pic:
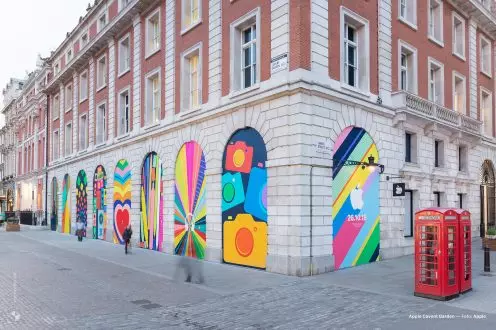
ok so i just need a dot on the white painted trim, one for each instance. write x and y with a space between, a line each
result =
464 39
404 20
433 38
453 85
413 50
156 71
431 60
65 138
119 94
81 100
149 52
489 44
100 14
103 102
184 28
66 110
490 93
255 13
87 132
121 73
53 140
99 88
184 58
344 13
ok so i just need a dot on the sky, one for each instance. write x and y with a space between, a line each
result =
40 28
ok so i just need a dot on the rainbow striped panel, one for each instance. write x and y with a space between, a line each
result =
122 199
355 210
66 205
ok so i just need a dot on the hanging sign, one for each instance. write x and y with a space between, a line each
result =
398 189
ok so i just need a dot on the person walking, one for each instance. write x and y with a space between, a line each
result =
79 230
128 232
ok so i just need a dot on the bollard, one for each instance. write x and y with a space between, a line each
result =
487 260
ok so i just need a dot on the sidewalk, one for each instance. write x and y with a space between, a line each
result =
374 296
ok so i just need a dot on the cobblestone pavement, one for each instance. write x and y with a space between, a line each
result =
51 281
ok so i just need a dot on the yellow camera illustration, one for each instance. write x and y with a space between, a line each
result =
245 241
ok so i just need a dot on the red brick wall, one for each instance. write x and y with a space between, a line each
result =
300 35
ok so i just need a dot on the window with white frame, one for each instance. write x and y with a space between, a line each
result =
83 132
191 79
56 68
485 56
245 51
355 50
68 56
153 33
68 139
436 82
459 91
435 19
124 116
83 86
55 145
407 68
152 113
84 40
123 4
101 72
458 32
102 21
56 107
408 12
486 100
101 123
124 55
68 97
191 12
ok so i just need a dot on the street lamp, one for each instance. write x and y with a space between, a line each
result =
371 165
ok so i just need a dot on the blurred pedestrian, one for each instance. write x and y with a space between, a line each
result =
128 232
79 230
192 268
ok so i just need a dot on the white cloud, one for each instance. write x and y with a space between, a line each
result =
29 27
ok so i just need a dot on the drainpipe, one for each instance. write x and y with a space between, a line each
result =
311 212
46 159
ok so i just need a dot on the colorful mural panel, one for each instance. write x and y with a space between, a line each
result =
190 215
66 204
355 211
244 200
122 199
55 205
151 206
82 199
99 203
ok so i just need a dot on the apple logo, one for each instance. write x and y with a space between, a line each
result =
356 198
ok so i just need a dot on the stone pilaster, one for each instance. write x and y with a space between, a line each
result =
137 75
170 33
111 91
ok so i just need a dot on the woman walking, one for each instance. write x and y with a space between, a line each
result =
79 230
128 232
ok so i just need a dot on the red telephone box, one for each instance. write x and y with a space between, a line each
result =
465 250
436 254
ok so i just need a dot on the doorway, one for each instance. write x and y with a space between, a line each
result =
488 198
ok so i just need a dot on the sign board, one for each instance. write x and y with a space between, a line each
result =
322 148
398 189
279 63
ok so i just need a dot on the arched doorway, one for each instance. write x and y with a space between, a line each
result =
99 203
55 205
151 206
488 197
244 200
190 215
82 199
66 205
10 201
122 199
355 208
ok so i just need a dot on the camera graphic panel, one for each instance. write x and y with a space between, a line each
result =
233 191
256 195
244 199
239 157
245 241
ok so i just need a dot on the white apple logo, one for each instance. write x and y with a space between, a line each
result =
356 198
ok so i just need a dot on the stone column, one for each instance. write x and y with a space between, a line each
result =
137 75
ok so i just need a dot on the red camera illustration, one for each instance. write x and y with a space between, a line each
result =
239 157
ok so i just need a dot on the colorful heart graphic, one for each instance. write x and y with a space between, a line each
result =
122 217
